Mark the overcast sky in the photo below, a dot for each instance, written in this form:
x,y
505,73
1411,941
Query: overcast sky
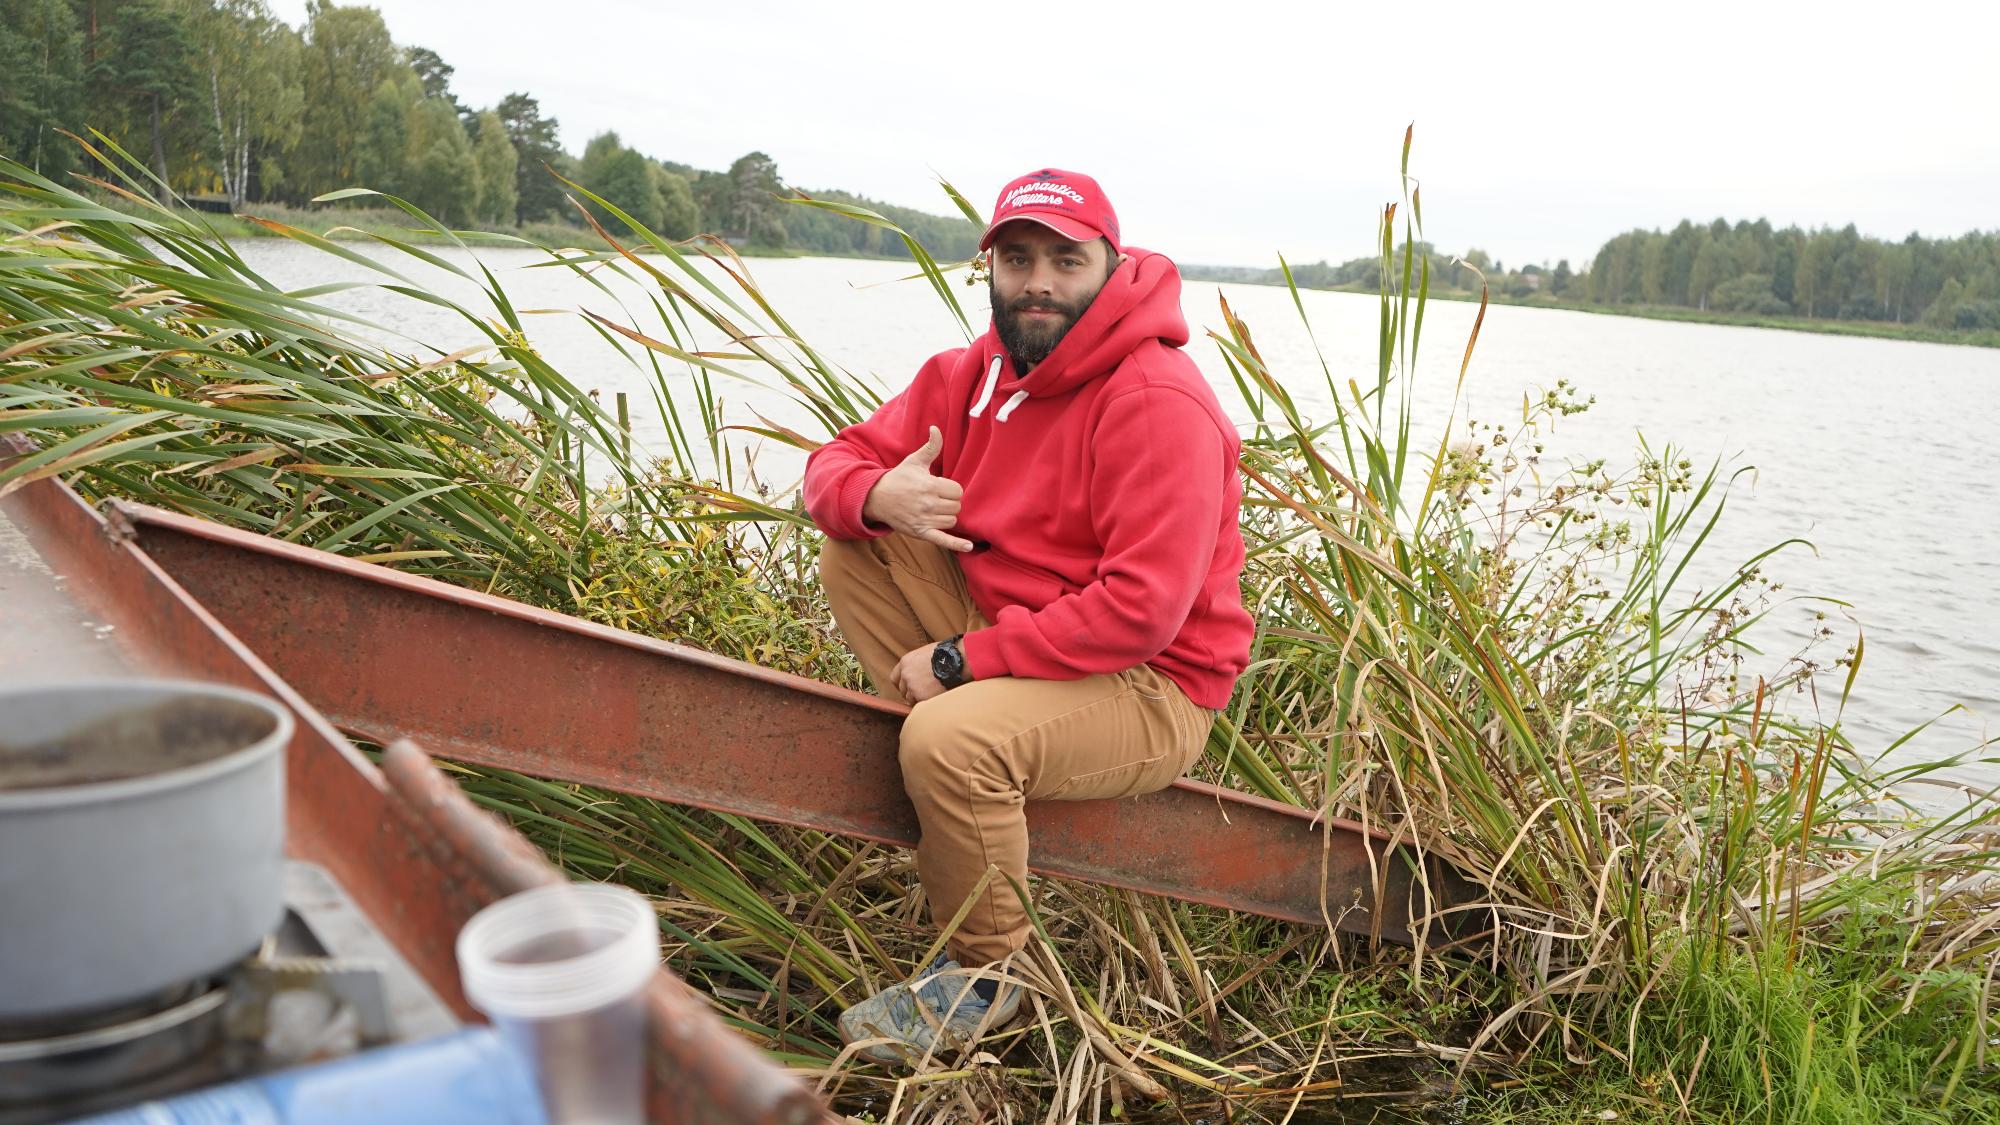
x,y
1226,133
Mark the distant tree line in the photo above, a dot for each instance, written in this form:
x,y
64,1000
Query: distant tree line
x,y
221,99
1748,268
1833,274
1448,274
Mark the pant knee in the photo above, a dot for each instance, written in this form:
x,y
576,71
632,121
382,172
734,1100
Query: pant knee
x,y
925,749
940,744
943,750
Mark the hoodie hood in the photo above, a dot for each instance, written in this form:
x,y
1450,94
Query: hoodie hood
x,y
1141,301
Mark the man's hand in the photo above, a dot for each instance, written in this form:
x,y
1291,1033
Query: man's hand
x,y
909,499
912,675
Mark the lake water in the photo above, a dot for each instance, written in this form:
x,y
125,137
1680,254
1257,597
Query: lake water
x,y
1882,453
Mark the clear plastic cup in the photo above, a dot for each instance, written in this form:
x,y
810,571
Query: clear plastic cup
x,y
562,972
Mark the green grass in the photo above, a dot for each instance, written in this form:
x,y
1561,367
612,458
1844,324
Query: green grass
x,y
1700,909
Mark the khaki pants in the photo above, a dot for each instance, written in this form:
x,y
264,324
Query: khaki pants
x,y
973,756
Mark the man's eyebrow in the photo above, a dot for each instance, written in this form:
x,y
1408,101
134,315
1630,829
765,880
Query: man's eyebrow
x,y
1019,247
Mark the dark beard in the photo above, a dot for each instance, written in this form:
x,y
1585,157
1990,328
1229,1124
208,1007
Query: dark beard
x,y
1031,345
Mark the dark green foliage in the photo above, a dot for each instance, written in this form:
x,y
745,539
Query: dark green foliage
x,y
623,178
1827,273
753,216
440,174
348,53
141,73
1750,293
249,101
498,168
538,194
385,139
221,98
435,75
1357,274
41,57
679,217
814,230
1745,270
713,195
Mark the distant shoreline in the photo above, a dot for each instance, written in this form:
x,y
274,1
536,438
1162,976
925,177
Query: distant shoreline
x,y
386,223
1880,329
360,224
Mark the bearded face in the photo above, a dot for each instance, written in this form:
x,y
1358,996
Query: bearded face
x,y
1030,327
1042,282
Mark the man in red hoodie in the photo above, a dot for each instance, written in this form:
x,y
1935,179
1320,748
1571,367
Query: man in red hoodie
x,y
1036,544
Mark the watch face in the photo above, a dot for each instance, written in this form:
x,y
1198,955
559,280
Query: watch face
x,y
948,663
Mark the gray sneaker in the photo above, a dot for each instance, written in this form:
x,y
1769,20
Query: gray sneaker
x,y
940,1000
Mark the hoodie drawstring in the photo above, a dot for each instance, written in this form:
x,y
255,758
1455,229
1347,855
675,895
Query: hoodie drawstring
x,y
986,396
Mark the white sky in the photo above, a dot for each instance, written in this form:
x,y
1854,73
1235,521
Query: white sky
x,y
1225,133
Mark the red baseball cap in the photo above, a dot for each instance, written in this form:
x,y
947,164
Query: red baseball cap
x,y
1069,203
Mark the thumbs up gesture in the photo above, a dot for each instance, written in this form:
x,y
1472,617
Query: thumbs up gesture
x,y
909,499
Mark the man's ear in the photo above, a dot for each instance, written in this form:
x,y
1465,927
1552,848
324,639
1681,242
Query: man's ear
x,y
1122,259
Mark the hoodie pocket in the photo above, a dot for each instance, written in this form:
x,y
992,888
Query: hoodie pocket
x,y
1008,581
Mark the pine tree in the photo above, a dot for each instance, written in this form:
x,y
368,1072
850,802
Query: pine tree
x,y
537,194
142,72
755,183
41,83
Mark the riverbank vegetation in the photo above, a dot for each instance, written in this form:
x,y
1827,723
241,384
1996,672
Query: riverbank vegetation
x,y
1947,290
229,106
1701,903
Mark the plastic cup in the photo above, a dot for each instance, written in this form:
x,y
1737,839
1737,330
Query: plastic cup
x,y
562,972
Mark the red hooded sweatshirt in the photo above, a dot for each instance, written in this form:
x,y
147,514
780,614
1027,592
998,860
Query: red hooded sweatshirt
x,y
1103,483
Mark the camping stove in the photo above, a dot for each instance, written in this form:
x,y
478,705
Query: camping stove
x,y
325,984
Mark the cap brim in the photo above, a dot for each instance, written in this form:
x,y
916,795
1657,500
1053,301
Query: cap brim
x,y
1063,225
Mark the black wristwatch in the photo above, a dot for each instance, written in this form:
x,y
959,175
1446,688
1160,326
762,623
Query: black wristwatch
x,y
948,662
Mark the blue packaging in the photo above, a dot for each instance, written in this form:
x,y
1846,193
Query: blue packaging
x,y
466,1078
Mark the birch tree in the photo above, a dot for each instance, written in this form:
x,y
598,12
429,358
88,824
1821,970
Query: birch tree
x,y
250,75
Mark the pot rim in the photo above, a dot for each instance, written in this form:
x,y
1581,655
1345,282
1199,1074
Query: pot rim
x,y
17,801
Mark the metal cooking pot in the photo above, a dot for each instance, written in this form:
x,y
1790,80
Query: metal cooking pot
x,y
142,830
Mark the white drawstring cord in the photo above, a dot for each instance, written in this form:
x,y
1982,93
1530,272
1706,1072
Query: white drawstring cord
x,y
986,396
1019,398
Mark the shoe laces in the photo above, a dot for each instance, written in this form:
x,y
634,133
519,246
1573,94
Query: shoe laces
x,y
941,989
